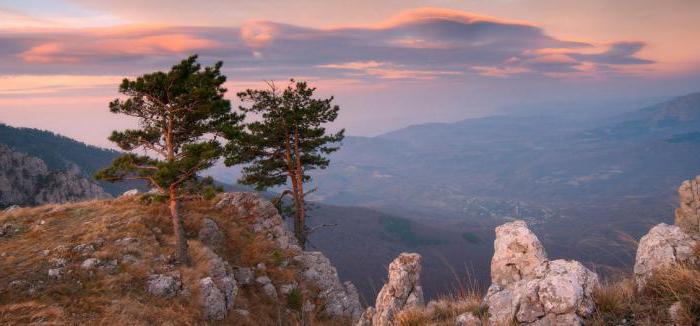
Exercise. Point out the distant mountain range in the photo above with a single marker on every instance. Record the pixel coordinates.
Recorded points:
(535, 160)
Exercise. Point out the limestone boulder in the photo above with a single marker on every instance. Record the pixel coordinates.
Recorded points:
(664, 246)
(517, 253)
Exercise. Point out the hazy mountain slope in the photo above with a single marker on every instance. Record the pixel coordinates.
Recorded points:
(60, 153)
(533, 159)
(26, 180)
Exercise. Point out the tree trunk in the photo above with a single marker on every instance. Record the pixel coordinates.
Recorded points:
(299, 174)
(178, 229)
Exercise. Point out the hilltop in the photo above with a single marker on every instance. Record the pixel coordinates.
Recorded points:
(108, 262)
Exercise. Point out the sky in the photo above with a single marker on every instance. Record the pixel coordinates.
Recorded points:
(389, 64)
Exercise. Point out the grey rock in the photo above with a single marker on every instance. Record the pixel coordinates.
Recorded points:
(213, 300)
(210, 234)
(58, 262)
(167, 286)
(287, 288)
(517, 252)
(55, 272)
(536, 291)
(270, 290)
(263, 280)
(342, 300)
(84, 249)
(90, 263)
(221, 278)
(664, 246)
(403, 283)
(243, 275)
(688, 213)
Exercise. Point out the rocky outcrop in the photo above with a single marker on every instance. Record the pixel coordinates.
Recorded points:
(341, 299)
(26, 180)
(688, 214)
(529, 289)
(664, 246)
(402, 291)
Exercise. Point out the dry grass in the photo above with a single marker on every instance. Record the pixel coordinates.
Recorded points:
(620, 300)
(445, 310)
(41, 235)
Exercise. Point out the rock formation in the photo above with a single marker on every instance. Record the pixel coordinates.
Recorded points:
(402, 291)
(666, 245)
(529, 289)
(663, 247)
(517, 253)
(26, 180)
(341, 299)
(688, 214)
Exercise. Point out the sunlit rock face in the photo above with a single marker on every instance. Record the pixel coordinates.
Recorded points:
(529, 289)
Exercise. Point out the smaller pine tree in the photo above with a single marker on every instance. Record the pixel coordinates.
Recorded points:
(287, 142)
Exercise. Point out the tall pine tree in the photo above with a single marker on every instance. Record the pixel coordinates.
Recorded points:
(287, 142)
(179, 114)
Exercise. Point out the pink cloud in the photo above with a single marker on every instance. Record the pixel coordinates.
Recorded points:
(73, 51)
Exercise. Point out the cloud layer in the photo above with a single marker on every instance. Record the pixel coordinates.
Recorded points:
(416, 45)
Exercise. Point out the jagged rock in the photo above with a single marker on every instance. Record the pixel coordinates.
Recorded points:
(688, 214)
(210, 234)
(342, 300)
(467, 319)
(213, 300)
(243, 275)
(404, 277)
(536, 291)
(90, 263)
(222, 279)
(164, 285)
(663, 247)
(517, 252)
(130, 193)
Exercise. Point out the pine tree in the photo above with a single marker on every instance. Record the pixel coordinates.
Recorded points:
(180, 113)
(287, 142)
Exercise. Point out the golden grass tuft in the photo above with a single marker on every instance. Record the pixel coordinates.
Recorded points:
(620, 300)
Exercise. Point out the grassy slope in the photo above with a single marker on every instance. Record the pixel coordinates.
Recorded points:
(120, 297)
